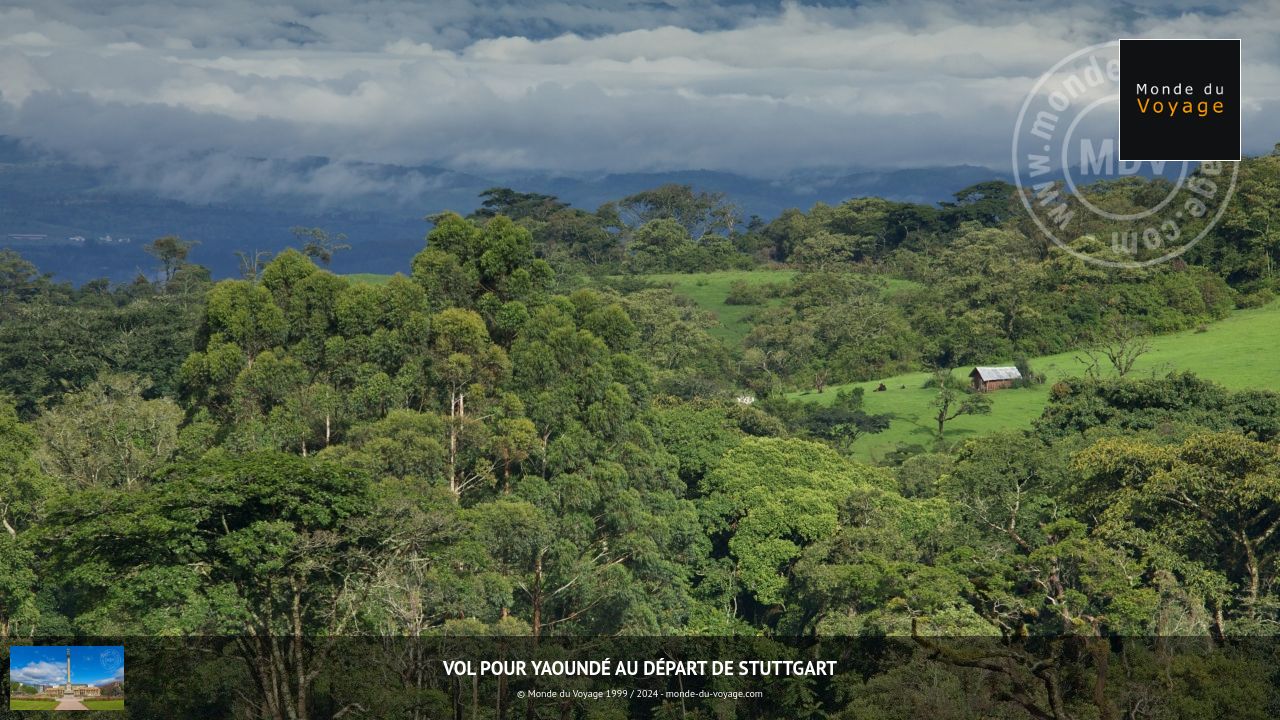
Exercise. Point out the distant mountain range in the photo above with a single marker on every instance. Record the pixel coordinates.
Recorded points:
(82, 221)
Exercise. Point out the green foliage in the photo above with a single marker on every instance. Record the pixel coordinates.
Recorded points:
(171, 251)
(1159, 403)
(491, 448)
(1204, 511)
(226, 544)
(465, 265)
(696, 212)
(769, 498)
(742, 292)
(109, 435)
(517, 205)
(318, 244)
(1225, 352)
(57, 340)
(951, 401)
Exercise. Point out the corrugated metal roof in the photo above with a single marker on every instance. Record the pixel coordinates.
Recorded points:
(997, 373)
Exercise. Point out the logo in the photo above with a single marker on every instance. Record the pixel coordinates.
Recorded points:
(1180, 99)
(1087, 201)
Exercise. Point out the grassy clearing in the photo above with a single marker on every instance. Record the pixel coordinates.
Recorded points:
(1238, 352)
(16, 704)
(116, 704)
(709, 290)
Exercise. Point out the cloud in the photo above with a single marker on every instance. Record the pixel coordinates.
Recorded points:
(40, 673)
(117, 676)
(177, 91)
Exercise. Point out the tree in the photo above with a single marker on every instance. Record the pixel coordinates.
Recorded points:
(824, 251)
(23, 493)
(1177, 400)
(952, 402)
(50, 345)
(18, 586)
(1122, 342)
(579, 235)
(466, 363)
(655, 244)
(465, 265)
(1246, 243)
(1036, 575)
(1213, 501)
(244, 313)
(23, 488)
(769, 498)
(171, 251)
(19, 279)
(987, 202)
(251, 263)
(879, 570)
(268, 548)
(844, 421)
(318, 244)
(517, 205)
(107, 435)
(698, 212)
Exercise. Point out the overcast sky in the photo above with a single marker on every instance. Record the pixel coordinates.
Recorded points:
(753, 87)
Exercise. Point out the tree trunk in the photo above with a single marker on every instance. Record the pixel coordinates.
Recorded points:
(1100, 648)
(536, 595)
(457, 413)
(300, 668)
(1251, 567)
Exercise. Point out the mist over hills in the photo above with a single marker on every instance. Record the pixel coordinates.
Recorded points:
(83, 221)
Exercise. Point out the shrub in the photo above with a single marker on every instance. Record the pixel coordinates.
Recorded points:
(1255, 299)
(1030, 378)
(744, 293)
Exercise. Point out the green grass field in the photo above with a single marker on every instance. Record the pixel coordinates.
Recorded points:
(17, 704)
(23, 704)
(709, 290)
(1238, 352)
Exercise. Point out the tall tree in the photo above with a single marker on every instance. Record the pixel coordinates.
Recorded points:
(108, 435)
(698, 212)
(267, 548)
(318, 244)
(171, 251)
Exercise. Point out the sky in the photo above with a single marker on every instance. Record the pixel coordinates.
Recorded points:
(47, 665)
(758, 88)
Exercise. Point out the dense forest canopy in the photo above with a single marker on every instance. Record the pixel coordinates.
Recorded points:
(526, 434)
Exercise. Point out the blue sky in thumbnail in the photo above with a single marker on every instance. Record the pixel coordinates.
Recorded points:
(47, 665)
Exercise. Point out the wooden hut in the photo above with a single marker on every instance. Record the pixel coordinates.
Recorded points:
(986, 379)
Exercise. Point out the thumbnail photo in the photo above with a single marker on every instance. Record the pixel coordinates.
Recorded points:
(76, 677)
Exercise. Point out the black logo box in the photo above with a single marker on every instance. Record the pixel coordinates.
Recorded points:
(1186, 64)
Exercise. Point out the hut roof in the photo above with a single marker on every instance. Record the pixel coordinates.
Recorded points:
(996, 373)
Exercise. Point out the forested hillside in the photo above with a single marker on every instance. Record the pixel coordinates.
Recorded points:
(536, 432)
